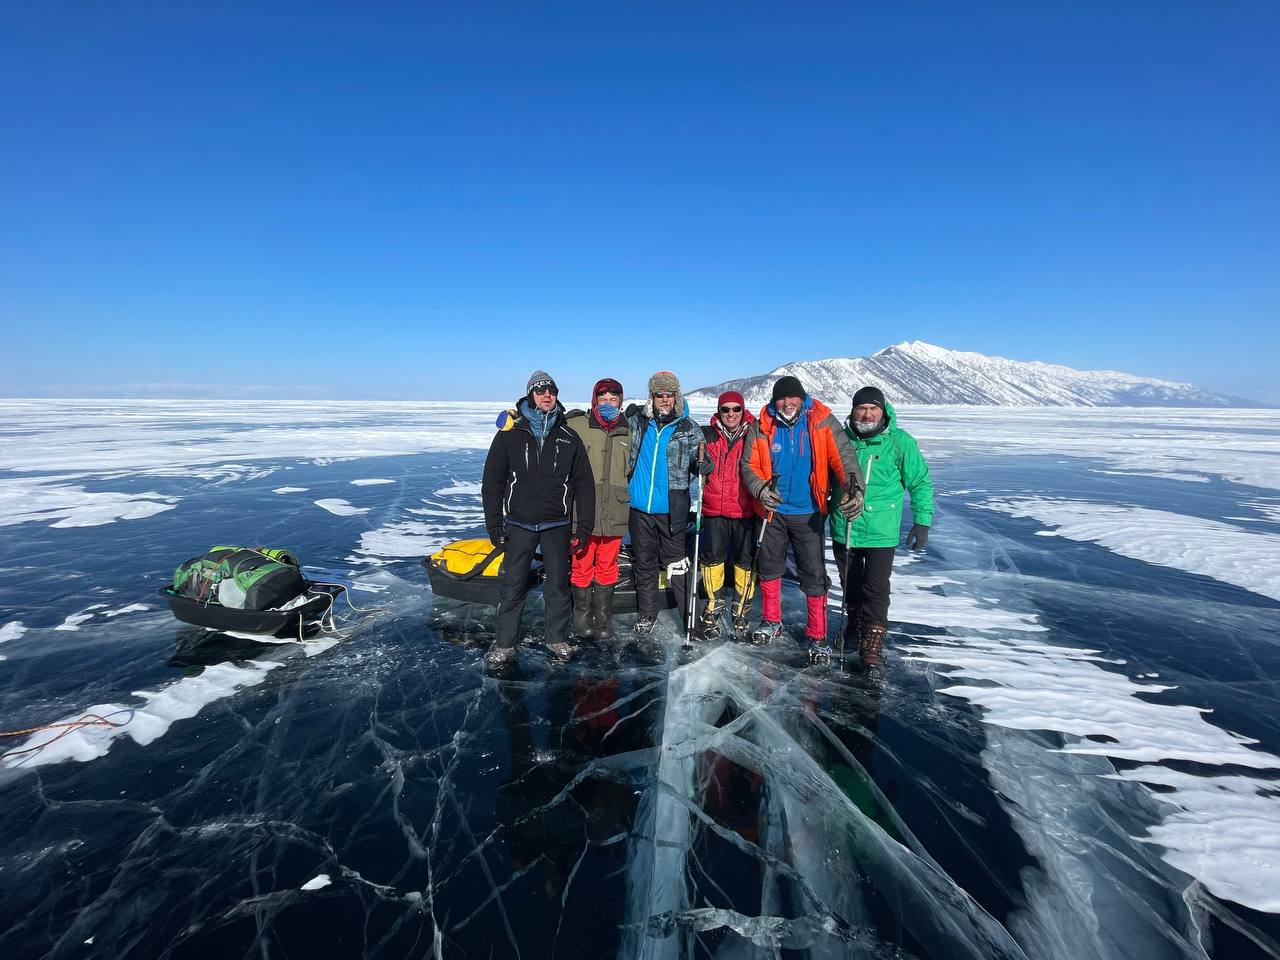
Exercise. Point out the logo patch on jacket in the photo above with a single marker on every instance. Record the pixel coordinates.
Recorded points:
(776, 448)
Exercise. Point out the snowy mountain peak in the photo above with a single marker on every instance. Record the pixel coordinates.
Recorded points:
(914, 371)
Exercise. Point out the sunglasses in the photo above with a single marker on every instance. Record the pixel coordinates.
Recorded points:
(665, 395)
(551, 390)
(730, 409)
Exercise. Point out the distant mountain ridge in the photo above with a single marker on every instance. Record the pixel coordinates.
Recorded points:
(919, 372)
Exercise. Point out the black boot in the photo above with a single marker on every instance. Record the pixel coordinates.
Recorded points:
(602, 610)
(582, 626)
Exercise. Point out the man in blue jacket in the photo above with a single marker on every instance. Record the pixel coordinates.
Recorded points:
(664, 458)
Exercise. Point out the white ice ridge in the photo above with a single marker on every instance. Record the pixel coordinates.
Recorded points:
(339, 507)
(144, 723)
(371, 482)
(289, 490)
(73, 621)
(28, 500)
(1210, 548)
(318, 882)
(1225, 830)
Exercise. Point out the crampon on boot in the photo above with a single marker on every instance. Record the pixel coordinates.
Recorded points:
(766, 633)
(708, 625)
(871, 646)
(645, 624)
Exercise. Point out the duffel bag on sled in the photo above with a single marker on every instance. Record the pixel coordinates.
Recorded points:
(468, 571)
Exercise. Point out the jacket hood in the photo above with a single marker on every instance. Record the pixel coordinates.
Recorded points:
(890, 417)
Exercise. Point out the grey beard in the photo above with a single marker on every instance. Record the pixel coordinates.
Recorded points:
(865, 428)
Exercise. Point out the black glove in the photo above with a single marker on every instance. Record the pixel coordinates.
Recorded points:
(705, 467)
(578, 543)
(851, 504)
(917, 536)
(769, 498)
(498, 539)
(632, 410)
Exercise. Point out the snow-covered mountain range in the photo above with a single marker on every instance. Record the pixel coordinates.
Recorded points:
(919, 372)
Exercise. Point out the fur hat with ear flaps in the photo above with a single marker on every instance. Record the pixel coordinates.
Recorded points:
(662, 382)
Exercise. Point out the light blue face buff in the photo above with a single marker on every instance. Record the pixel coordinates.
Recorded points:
(607, 411)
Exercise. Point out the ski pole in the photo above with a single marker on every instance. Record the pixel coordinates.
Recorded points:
(755, 558)
(848, 551)
(697, 537)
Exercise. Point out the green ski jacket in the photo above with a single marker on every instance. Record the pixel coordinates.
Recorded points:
(892, 463)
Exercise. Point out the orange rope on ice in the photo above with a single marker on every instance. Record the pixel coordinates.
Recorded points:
(67, 726)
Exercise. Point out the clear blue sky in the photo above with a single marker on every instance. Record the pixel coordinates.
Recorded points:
(425, 200)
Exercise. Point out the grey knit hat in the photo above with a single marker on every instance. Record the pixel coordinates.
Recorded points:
(539, 378)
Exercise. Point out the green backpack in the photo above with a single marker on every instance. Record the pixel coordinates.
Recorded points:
(263, 577)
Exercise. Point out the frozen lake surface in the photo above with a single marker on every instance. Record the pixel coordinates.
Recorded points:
(1074, 752)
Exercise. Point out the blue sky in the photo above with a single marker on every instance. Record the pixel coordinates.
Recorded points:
(425, 200)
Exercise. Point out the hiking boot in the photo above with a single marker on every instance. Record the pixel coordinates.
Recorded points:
(560, 651)
(766, 633)
(583, 623)
(871, 645)
(499, 657)
(645, 624)
(740, 626)
(602, 610)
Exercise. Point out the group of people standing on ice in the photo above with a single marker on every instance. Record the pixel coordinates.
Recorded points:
(574, 484)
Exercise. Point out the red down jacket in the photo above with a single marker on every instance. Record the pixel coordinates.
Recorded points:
(724, 493)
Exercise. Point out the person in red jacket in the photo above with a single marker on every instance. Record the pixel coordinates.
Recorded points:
(728, 518)
(792, 453)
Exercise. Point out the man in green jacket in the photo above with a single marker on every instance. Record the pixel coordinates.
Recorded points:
(864, 547)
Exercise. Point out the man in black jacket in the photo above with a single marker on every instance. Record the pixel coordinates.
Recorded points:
(535, 476)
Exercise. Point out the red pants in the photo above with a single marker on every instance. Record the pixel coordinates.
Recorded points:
(598, 562)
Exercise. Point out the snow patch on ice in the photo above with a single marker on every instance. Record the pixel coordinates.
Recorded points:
(1226, 553)
(404, 538)
(461, 489)
(28, 500)
(290, 490)
(12, 631)
(1225, 831)
(131, 608)
(372, 482)
(339, 507)
(318, 882)
(143, 724)
(73, 621)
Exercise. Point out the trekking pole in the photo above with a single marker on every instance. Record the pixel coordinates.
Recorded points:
(755, 558)
(697, 537)
(848, 552)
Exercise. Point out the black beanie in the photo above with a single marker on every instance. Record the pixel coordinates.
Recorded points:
(868, 395)
(788, 387)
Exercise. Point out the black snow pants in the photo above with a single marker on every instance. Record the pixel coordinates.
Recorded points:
(656, 545)
(867, 592)
(515, 583)
(731, 539)
(805, 533)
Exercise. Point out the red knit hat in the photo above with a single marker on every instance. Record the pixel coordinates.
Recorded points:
(731, 396)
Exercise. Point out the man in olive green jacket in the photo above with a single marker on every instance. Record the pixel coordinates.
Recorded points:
(607, 437)
(864, 547)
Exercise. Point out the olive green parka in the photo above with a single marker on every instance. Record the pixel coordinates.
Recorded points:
(608, 452)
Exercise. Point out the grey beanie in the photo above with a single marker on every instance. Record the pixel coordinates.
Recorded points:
(539, 378)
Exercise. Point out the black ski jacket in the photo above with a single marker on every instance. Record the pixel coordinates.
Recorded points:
(536, 486)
